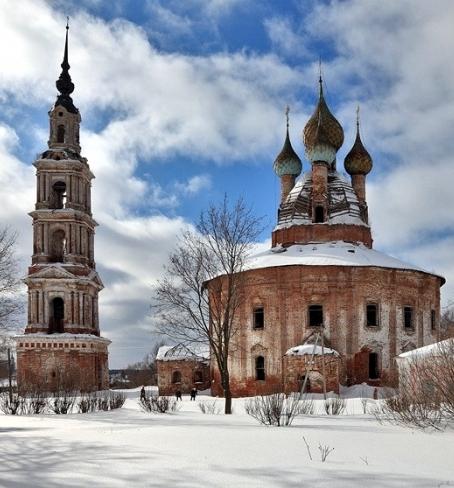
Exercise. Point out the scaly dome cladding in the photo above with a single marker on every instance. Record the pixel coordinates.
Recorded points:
(287, 161)
(323, 118)
(358, 160)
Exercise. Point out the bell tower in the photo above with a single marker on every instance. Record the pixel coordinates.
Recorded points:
(61, 346)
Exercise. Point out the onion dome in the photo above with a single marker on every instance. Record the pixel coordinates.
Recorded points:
(64, 83)
(322, 149)
(322, 117)
(287, 161)
(358, 160)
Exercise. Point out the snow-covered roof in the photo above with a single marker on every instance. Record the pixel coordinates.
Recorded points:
(180, 352)
(434, 348)
(309, 349)
(335, 253)
(343, 205)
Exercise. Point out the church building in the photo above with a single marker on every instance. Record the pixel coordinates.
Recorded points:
(323, 276)
(62, 347)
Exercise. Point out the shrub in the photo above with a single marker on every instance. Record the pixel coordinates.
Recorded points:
(209, 407)
(13, 407)
(335, 405)
(277, 409)
(62, 402)
(425, 398)
(158, 404)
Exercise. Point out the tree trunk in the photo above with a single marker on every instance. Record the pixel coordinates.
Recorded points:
(228, 401)
(225, 380)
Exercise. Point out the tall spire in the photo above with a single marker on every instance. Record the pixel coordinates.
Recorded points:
(64, 84)
(320, 79)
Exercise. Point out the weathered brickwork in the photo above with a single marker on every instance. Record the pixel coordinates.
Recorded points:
(61, 346)
(285, 294)
(294, 370)
(54, 363)
(182, 375)
(321, 233)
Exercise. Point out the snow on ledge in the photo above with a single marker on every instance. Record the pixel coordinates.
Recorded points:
(334, 253)
(308, 350)
(64, 336)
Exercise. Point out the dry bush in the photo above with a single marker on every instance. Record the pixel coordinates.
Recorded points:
(35, 402)
(277, 409)
(13, 406)
(158, 404)
(335, 405)
(210, 408)
(425, 398)
(62, 402)
(116, 400)
(87, 403)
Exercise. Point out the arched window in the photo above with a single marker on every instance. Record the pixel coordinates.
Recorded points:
(57, 315)
(198, 377)
(61, 133)
(58, 194)
(176, 377)
(260, 368)
(319, 215)
(58, 246)
(315, 315)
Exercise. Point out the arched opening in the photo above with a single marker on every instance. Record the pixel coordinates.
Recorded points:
(306, 382)
(58, 194)
(198, 377)
(319, 217)
(176, 377)
(58, 246)
(260, 368)
(61, 133)
(374, 372)
(57, 315)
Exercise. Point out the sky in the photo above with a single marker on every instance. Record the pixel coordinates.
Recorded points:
(183, 102)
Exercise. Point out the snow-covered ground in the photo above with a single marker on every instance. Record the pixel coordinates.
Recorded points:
(129, 448)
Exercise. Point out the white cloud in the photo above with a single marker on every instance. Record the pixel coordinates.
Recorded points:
(285, 38)
(194, 184)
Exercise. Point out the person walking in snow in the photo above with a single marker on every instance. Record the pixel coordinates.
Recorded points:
(193, 393)
(142, 393)
(178, 395)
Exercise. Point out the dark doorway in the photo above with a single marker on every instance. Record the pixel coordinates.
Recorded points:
(56, 324)
(319, 215)
(374, 372)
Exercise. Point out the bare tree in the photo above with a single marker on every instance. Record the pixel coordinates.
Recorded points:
(198, 300)
(9, 282)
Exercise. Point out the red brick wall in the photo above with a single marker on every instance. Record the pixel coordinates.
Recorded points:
(286, 292)
(61, 367)
(322, 233)
(294, 368)
(187, 369)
